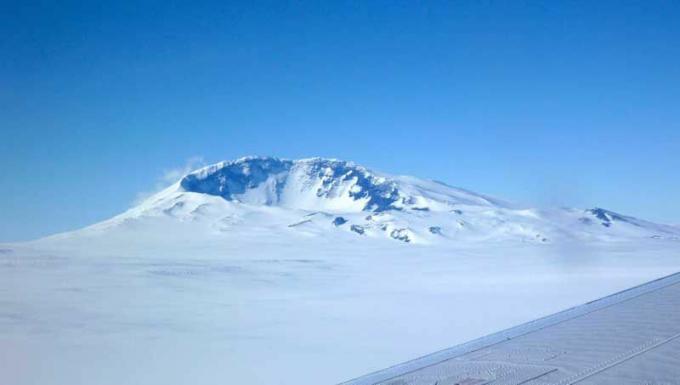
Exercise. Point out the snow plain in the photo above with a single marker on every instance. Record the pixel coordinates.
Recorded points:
(194, 288)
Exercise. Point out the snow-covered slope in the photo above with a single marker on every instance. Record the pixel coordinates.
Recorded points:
(332, 198)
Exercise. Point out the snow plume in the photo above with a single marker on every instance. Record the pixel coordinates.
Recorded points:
(170, 176)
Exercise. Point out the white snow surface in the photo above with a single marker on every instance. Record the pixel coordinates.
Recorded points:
(270, 271)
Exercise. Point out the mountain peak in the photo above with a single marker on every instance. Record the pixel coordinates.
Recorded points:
(312, 183)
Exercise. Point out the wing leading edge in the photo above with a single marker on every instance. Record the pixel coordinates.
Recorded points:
(631, 337)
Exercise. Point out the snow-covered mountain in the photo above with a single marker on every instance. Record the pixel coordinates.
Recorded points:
(263, 197)
(305, 272)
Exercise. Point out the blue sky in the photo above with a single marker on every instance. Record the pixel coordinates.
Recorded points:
(557, 103)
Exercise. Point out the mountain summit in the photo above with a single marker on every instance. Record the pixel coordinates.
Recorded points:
(320, 184)
(271, 198)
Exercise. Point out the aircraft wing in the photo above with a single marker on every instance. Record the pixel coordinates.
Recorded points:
(628, 338)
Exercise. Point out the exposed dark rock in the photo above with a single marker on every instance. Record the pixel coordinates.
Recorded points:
(401, 235)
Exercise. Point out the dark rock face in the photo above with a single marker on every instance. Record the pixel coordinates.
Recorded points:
(607, 217)
(400, 235)
(339, 221)
(230, 179)
(235, 178)
(381, 195)
(357, 229)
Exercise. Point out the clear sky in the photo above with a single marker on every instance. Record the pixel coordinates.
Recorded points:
(571, 103)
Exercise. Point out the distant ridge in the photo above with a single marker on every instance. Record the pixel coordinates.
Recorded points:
(342, 200)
